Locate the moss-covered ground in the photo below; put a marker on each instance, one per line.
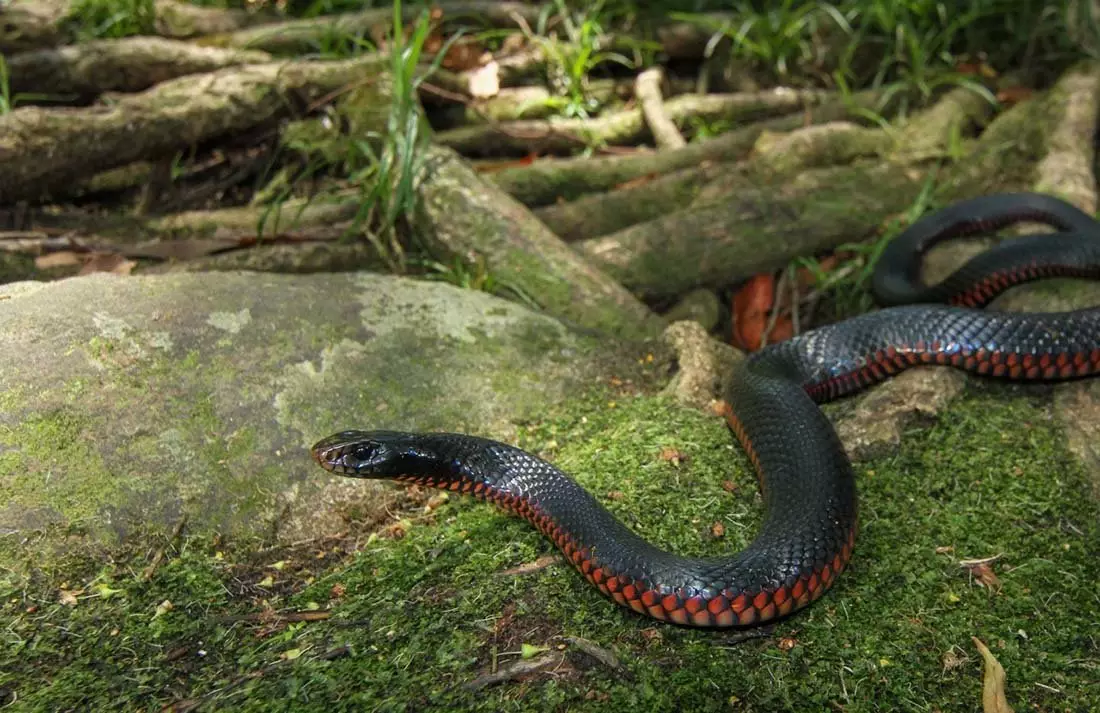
(400, 618)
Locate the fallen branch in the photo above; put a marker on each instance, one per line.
(603, 213)
(832, 144)
(30, 25)
(464, 215)
(42, 148)
(561, 136)
(127, 65)
(754, 229)
(305, 35)
(647, 88)
(547, 180)
(516, 669)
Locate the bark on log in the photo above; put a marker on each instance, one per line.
(547, 180)
(42, 148)
(647, 88)
(181, 20)
(603, 213)
(126, 65)
(298, 36)
(621, 128)
(1067, 168)
(462, 214)
(832, 144)
(927, 134)
(27, 25)
(754, 230)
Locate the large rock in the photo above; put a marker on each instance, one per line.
(133, 401)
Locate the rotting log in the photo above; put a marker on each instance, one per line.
(43, 148)
(928, 133)
(753, 230)
(304, 35)
(548, 180)
(463, 215)
(126, 65)
(180, 20)
(29, 25)
(563, 136)
(602, 213)
(832, 144)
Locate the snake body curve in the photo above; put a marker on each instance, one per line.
(806, 479)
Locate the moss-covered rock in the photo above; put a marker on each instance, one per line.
(130, 402)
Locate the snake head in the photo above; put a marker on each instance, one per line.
(361, 454)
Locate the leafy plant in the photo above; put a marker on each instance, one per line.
(776, 38)
(474, 276)
(393, 162)
(96, 19)
(848, 282)
(573, 58)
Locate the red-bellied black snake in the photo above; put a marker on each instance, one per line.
(809, 528)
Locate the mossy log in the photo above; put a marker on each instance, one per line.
(126, 65)
(832, 144)
(759, 216)
(564, 136)
(43, 148)
(549, 180)
(304, 35)
(466, 216)
(753, 230)
(29, 25)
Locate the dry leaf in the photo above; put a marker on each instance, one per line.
(68, 596)
(993, 682)
(1014, 95)
(750, 310)
(673, 456)
(981, 570)
(718, 529)
(528, 567)
(463, 54)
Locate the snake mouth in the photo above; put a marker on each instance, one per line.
(359, 454)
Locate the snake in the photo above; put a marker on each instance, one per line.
(771, 405)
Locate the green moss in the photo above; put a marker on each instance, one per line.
(51, 463)
(423, 614)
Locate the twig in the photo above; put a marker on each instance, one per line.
(159, 556)
(795, 321)
(774, 316)
(513, 671)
